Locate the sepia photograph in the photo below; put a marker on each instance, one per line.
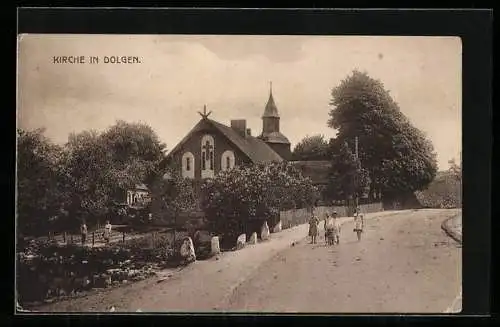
(238, 173)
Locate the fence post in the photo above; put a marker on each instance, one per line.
(123, 237)
(93, 238)
(64, 237)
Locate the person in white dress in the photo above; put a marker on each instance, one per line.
(359, 223)
(107, 231)
(325, 227)
(336, 228)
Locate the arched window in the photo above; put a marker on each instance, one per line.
(188, 165)
(207, 156)
(227, 160)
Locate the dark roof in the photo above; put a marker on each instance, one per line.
(255, 149)
(317, 170)
(274, 137)
(271, 109)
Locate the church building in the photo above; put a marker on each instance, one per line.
(211, 146)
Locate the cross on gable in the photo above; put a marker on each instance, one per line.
(205, 115)
(207, 146)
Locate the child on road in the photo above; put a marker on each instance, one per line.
(313, 228)
(359, 223)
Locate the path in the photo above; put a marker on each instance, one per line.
(404, 264)
(211, 285)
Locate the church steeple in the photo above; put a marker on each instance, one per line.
(271, 128)
(271, 109)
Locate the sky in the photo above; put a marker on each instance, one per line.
(178, 74)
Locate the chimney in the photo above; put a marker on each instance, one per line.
(249, 132)
(240, 126)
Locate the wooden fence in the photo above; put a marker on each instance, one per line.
(296, 217)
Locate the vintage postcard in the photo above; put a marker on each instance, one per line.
(239, 173)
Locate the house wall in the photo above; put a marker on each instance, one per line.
(137, 196)
(193, 145)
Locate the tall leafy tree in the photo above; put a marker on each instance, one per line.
(313, 147)
(41, 181)
(347, 179)
(398, 157)
(103, 165)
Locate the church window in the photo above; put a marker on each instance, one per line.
(188, 165)
(207, 156)
(227, 160)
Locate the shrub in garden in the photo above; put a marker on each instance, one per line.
(443, 192)
(237, 198)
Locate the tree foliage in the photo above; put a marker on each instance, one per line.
(84, 178)
(455, 169)
(398, 156)
(244, 194)
(445, 191)
(172, 194)
(347, 179)
(311, 148)
(41, 181)
(102, 166)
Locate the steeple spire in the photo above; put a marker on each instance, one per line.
(271, 109)
(271, 134)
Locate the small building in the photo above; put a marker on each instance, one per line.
(138, 196)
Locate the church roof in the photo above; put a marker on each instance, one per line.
(255, 149)
(271, 109)
(274, 137)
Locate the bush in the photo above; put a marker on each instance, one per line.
(443, 192)
(244, 195)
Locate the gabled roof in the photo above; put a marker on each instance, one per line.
(255, 149)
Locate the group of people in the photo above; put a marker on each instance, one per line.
(332, 227)
(106, 233)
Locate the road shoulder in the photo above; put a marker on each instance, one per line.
(453, 228)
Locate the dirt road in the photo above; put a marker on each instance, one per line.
(403, 264)
(274, 276)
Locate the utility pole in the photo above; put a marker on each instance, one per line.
(356, 176)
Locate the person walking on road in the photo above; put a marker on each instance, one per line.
(336, 228)
(359, 223)
(325, 227)
(107, 231)
(313, 228)
(83, 232)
